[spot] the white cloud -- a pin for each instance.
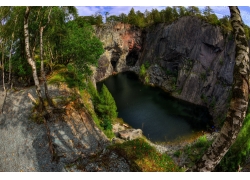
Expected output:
(125, 9)
(220, 11)
(246, 17)
(88, 10)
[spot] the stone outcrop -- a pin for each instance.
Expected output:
(130, 134)
(194, 62)
(190, 58)
(122, 43)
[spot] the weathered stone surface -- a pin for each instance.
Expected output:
(196, 62)
(122, 44)
(117, 140)
(130, 134)
(189, 58)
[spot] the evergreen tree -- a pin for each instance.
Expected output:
(182, 11)
(132, 17)
(208, 11)
(107, 106)
(193, 10)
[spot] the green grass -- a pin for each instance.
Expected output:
(143, 157)
(195, 151)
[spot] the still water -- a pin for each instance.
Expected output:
(160, 116)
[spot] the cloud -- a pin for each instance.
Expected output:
(125, 9)
(89, 10)
(220, 11)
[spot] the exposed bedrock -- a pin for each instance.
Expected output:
(189, 58)
(122, 44)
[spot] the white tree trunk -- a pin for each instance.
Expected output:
(29, 57)
(239, 102)
(10, 64)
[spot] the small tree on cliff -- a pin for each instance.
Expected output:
(107, 107)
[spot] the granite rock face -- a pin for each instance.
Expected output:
(195, 62)
(122, 44)
(189, 58)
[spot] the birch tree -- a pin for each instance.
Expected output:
(30, 58)
(239, 102)
(41, 28)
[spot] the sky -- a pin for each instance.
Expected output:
(90, 7)
(220, 11)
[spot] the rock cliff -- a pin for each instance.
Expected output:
(122, 43)
(189, 58)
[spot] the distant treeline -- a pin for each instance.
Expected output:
(167, 16)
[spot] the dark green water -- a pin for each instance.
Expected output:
(160, 116)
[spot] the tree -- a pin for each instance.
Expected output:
(239, 102)
(132, 17)
(123, 17)
(41, 28)
(193, 10)
(107, 106)
(169, 16)
(30, 58)
(182, 10)
(207, 11)
(81, 47)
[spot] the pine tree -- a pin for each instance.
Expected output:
(107, 106)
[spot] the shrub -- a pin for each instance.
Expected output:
(143, 71)
(202, 141)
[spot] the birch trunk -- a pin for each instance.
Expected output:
(10, 64)
(42, 63)
(42, 70)
(30, 59)
(2, 47)
(239, 102)
(38, 90)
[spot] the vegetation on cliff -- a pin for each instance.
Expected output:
(167, 16)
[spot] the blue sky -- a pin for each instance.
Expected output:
(90, 7)
(116, 10)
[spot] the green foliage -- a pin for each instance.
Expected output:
(143, 70)
(147, 64)
(81, 47)
(106, 107)
(202, 141)
(177, 153)
(93, 92)
(68, 75)
(239, 151)
(106, 124)
(143, 157)
(195, 151)
(132, 16)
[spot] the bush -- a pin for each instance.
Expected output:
(143, 71)
(202, 141)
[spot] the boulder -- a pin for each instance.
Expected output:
(130, 134)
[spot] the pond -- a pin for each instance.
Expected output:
(161, 117)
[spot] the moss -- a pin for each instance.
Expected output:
(143, 157)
